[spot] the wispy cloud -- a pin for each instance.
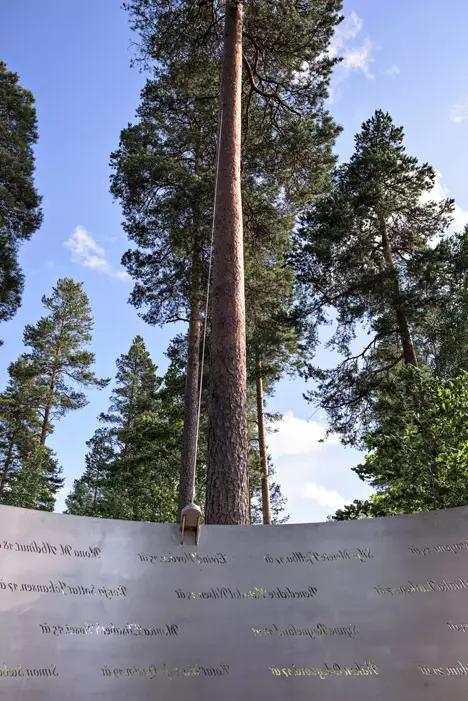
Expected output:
(358, 57)
(459, 112)
(356, 53)
(392, 71)
(86, 252)
(345, 32)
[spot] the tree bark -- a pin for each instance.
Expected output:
(50, 396)
(266, 506)
(7, 464)
(227, 494)
(188, 461)
(126, 448)
(409, 352)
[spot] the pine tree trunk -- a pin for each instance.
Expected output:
(266, 506)
(188, 460)
(126, 448)
(50, 396)
(6, 467)
(227, 494)
(406, 340)
(93, 511)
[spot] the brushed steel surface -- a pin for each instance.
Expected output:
(120, 611)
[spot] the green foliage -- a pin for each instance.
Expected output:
(19, 419)
(20, 212)
(19, 428)
(163, 171)
(44, 384)
(446, 341)
(30, 476)
(418, 459)
(58, 359)
(36, 482)
(164, 167)
(163, 176)
(287, 70)
(274, 324)
(365, 258)
(134, 394)
(132, 467)
(88, 496)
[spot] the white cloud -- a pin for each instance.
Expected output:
(459, 112)
(353, 58)
(309, 470)
(356, 55)
(440, 192)
(392, 71)
(326, 498)
(296, 436)
(86, 252)
(345, 32)
(360, 58)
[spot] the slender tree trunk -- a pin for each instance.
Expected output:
(188, 462)
(94, 498)
(6, 466)
(266, 506)
(227, 492)
(126, 448)
(409, 352)
(50, 396)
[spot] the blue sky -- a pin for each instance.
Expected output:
(405, 57)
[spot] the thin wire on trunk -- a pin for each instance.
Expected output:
(205, 325)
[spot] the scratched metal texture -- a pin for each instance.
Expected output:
(395, 634)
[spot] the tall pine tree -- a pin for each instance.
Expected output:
(89, 494)
(19, 420)
(59, 359)
(163, 175)
(20, 212)
(45, 383)
(37, 481)
(30, 476)
(365, 253)
(132, 467)
(287, 128)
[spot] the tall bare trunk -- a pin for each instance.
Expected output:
(6, 466)
(50, 396)
(409, 352)
(188, 460)
(227, 494)
(266, 506)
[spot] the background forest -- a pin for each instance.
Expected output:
(355, 262)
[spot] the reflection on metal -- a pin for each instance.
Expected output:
(114, 610)
(190, 520)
